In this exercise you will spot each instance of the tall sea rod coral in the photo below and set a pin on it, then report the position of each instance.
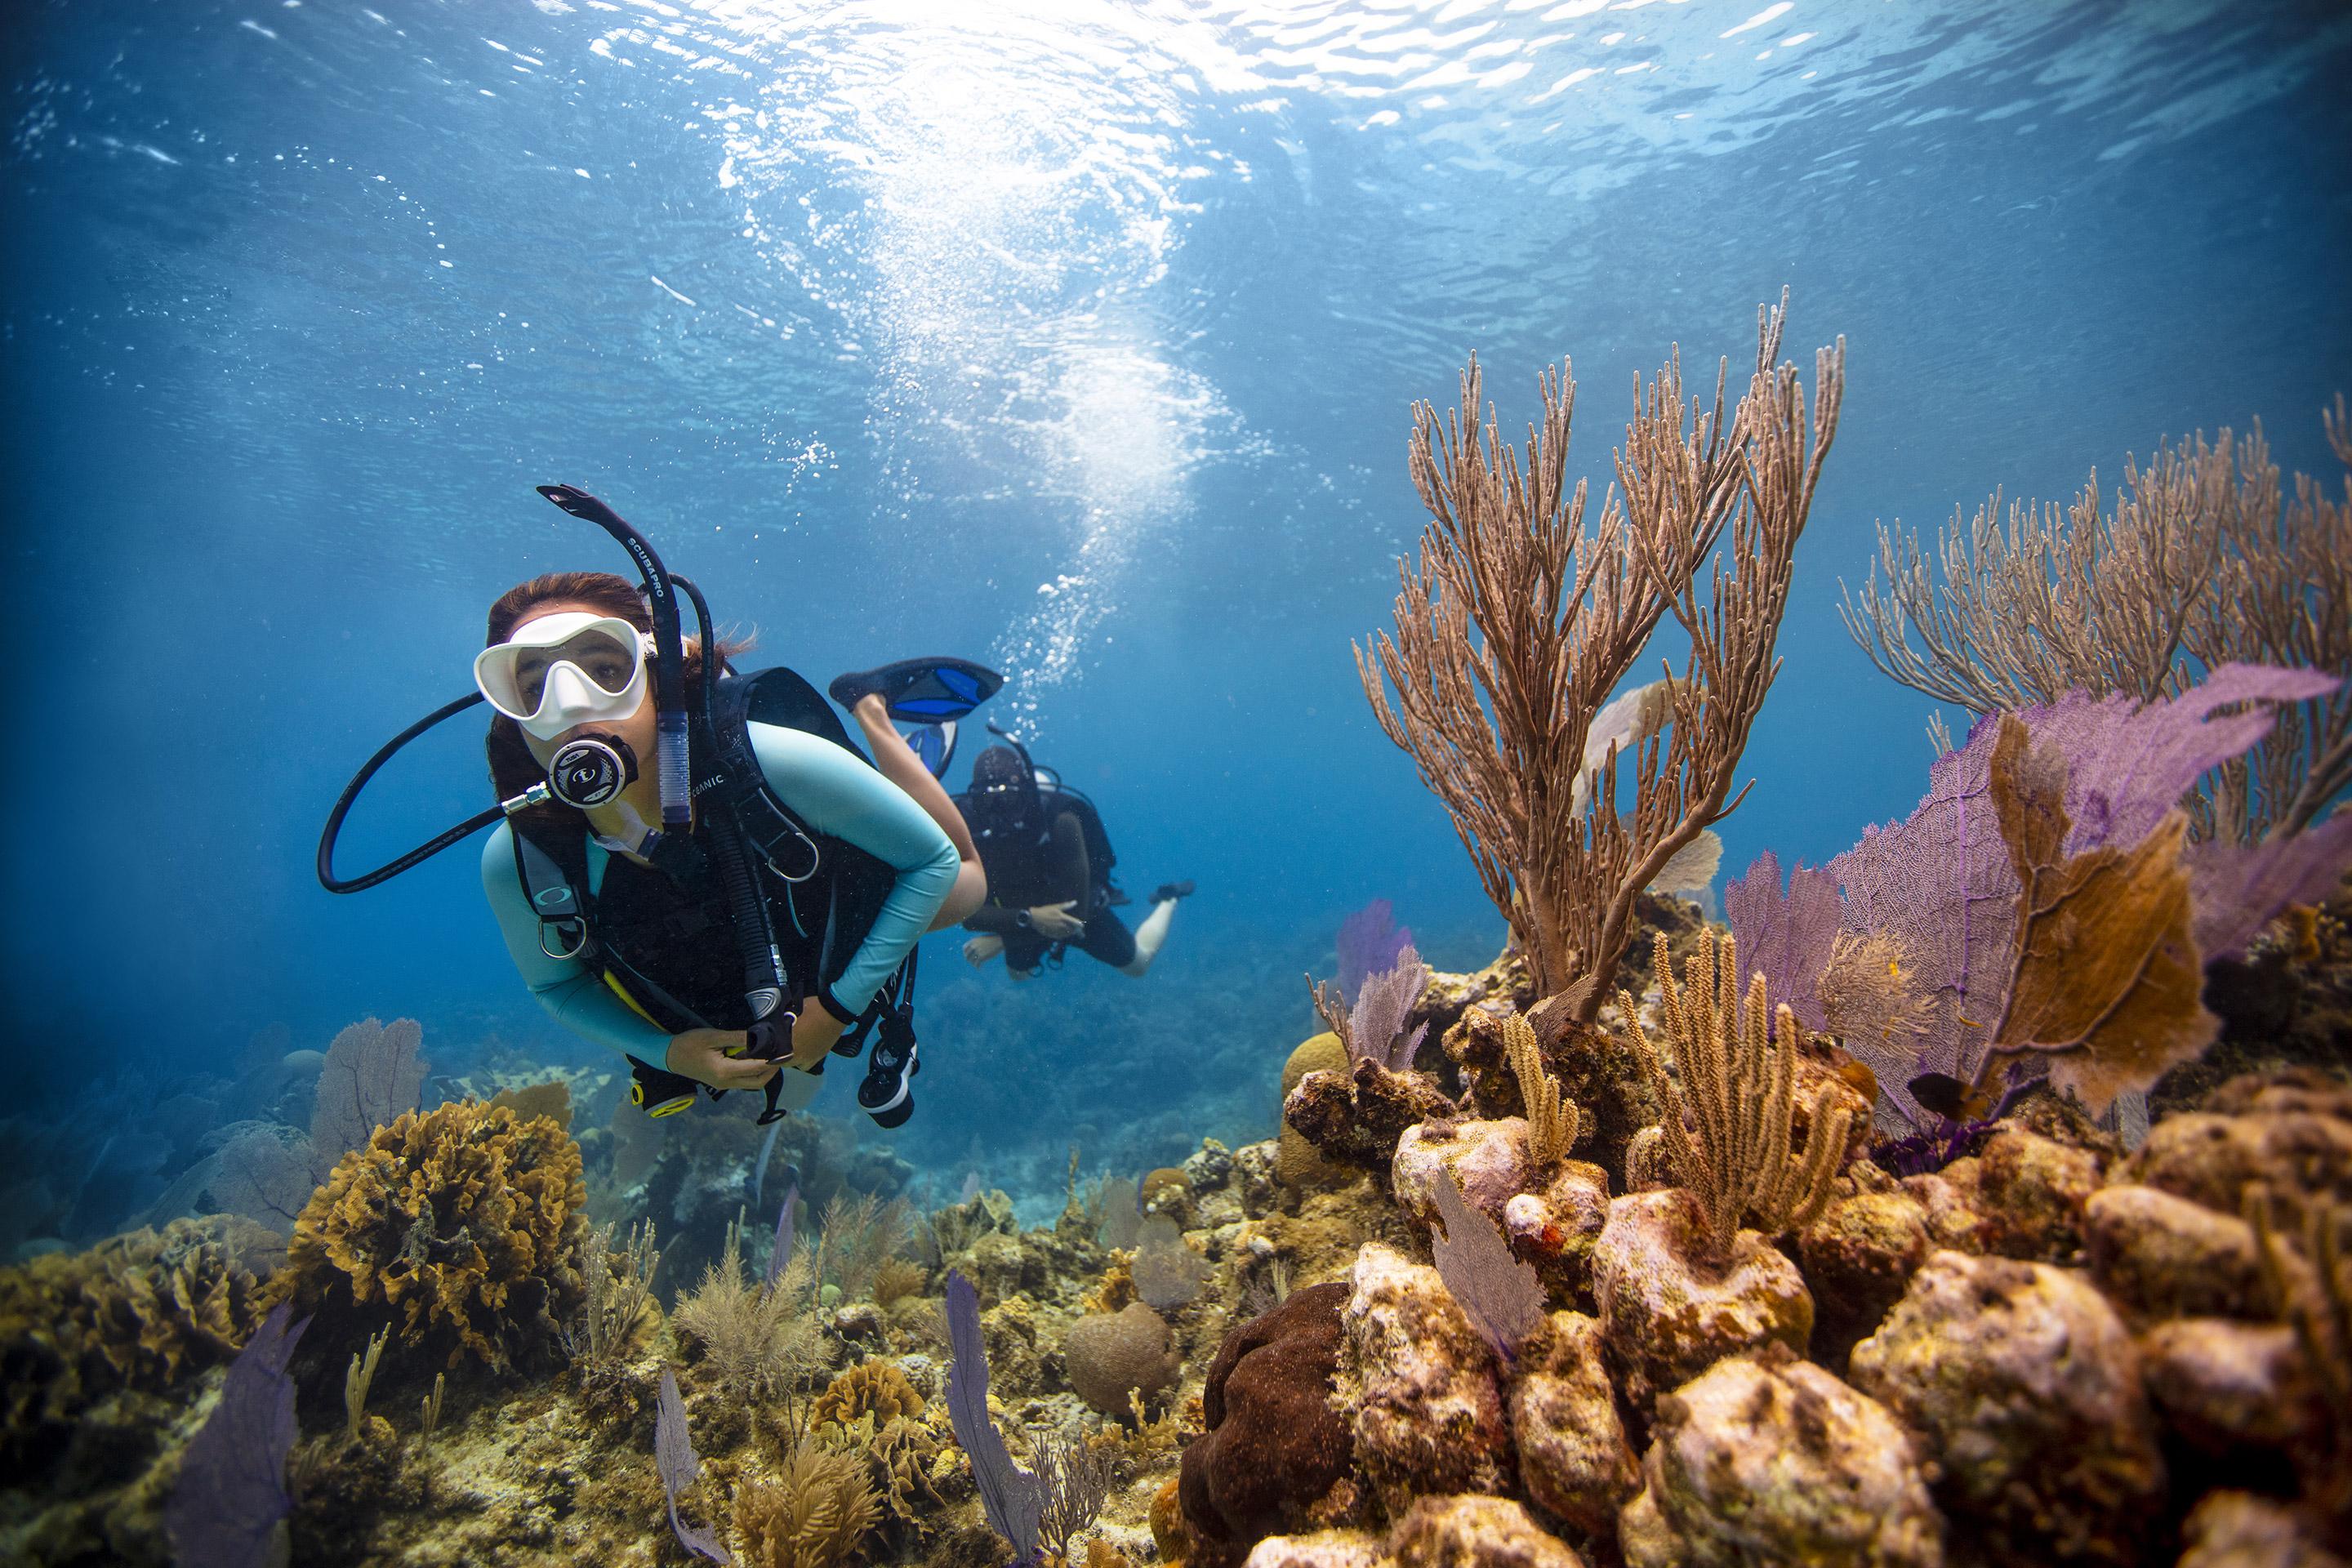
(1518, 623)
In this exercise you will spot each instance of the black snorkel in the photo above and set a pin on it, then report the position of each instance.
(670, 718)
(669, 651)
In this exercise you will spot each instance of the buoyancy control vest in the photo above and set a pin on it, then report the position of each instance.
(664, 936)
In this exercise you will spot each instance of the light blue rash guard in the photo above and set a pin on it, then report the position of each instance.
(834, 793)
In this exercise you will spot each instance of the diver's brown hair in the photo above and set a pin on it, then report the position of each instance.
(512, 767)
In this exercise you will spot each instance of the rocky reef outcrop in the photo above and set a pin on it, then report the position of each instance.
(2026, 1387)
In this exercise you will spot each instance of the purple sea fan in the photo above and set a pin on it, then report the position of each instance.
(232, 1493)
(1500, 1295)
(2237, 887)
(673, 1458)
(1941, 886)
(2127, 765)
(1785, 937)
(1376, 1024)
(1013, 1499)
(1370, 942)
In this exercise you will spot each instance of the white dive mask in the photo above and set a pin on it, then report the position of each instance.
(559, 672)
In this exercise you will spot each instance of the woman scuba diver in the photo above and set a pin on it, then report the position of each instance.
(565, 661)
(753, 896)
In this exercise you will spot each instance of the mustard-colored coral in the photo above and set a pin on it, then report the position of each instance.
(140, 1312)
(1116, 1287)
(812, 1514)
(463, 1220)
(878, 1386)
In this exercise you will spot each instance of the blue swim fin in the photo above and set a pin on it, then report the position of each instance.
(921, 690)
(933, 744)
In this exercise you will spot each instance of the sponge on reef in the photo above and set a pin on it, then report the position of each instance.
(463, 1220)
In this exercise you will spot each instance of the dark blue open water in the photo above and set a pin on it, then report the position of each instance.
(1077, 337)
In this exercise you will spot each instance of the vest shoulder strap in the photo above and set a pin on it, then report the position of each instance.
(552, 866)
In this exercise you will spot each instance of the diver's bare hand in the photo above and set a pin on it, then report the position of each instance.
(702, 1055)
(981, 948)
(1057, 923)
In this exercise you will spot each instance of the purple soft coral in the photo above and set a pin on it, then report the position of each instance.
(1942, 884)
(2127, 766)
(1012, 1498)
(676, 1462)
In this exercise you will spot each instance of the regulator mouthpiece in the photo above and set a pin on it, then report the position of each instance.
(591, 771)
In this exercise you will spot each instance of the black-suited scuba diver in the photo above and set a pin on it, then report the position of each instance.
(1048, 862)
(700, 867)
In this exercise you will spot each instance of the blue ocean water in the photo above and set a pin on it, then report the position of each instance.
(1075, 337)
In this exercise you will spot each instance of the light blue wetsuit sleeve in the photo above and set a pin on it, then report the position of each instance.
(839, 794)
(575, 994)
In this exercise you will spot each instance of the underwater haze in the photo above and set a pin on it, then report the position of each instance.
(1076, 338)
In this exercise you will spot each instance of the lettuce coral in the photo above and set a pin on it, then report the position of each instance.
(463, 1220)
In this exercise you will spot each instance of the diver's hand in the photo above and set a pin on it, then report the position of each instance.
(981, 948)
(1056, 922)
(702, 1055)
(813, 1034)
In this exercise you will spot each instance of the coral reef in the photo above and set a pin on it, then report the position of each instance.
(1906, 1228)
(2046, 1350)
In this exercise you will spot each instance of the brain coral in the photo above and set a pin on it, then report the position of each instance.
(1113, 1354)
(1275, 1444)
(137, 1312)
(463, 1220)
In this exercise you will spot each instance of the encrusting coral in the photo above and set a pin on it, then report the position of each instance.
(2026, 1389)
(462, 1222)
(1774, 1460)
